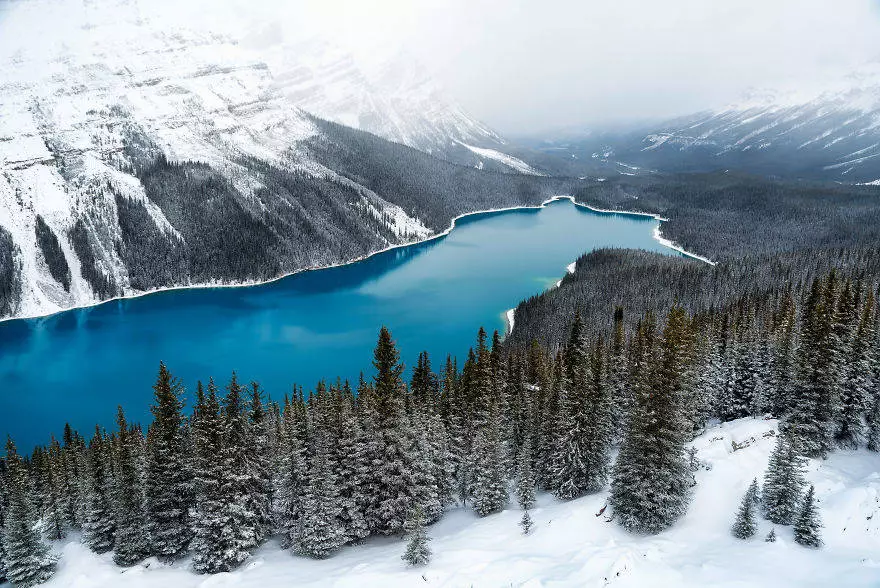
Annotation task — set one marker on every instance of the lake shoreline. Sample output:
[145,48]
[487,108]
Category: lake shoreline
[657,235]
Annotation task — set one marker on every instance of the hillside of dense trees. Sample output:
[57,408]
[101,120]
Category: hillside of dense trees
[343,462]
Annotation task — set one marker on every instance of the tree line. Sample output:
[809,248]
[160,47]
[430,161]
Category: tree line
[334,466]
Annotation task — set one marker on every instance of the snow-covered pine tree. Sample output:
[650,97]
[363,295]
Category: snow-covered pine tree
[621,399]
[99,523]
[241,521]
[783,482]
[28,561]
[525,479]
[745,525]
[418,553]
[320,532]
[652,481]
[771,536]
[856,387]
[55,507]
[212,539]
[292,478]
[394,470]
[525,486]
[130,543]
[808,525]
[488,484]
[784,347]
[74,460]
[584,457]
[4,506]
[347,460]
[168,479]
[811,418]
[260,464]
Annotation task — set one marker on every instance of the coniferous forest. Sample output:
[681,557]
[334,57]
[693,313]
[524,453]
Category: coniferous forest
[332,466]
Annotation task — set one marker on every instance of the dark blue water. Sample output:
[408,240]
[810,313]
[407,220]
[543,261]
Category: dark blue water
[78,365]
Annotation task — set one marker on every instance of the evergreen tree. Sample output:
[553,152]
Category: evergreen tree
[212,540]
[259,459]
[130,542]
[652,481]
[393,473]
[783,482]
[771,536]
[292,479]
[241,521]
[27,559]
[745,525]
[806,528]
[54,520]
[417,551]
[856,386]
[811,420]
[319,532]
[167,482]
[621,399]
[99,524]
[348,463]
[525,487]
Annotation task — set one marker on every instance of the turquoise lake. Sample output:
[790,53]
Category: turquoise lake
[77,366]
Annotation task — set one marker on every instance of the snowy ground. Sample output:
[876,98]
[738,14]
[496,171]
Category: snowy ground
[571,546]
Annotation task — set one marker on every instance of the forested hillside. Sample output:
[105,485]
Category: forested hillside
[339,463]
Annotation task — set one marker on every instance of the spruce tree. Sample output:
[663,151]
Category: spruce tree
[99,524]
[212,539]
[857,380]
[260,464]
[771,536]
[320,532]
[783,483]
[54,519]
[130,542]
[417,551]
[28,561]
[393,473]
[241,520]
[652,481]
[525,487]
[745,525]
[167,482]
[292,479]
[348,460]
[806,528]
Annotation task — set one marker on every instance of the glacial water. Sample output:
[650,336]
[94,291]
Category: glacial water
[77,366]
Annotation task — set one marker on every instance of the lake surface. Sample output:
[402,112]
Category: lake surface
[77,366]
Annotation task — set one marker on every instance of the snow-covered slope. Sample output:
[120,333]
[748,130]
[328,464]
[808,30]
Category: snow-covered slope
[92,91]
[572,546]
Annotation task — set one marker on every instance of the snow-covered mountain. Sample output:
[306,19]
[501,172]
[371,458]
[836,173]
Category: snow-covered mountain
[574,544]
[93,93]
[831,133]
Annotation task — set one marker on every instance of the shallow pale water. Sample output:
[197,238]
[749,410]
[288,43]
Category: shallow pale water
[78,365]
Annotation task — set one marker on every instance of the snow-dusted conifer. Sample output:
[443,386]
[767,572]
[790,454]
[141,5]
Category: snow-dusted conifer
[783,482]
[130,542]
[418,553]
[27,559]
[167,482]
[745,525]
[319,532]
[808,524]
[99,524]
[652,480]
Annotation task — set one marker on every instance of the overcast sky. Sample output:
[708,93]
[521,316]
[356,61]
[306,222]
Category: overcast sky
[528,65]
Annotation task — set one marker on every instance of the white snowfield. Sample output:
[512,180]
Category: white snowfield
[572,546]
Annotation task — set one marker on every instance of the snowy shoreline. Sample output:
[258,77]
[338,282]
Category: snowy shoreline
[247,284]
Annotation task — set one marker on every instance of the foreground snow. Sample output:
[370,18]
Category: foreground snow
[571,546]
